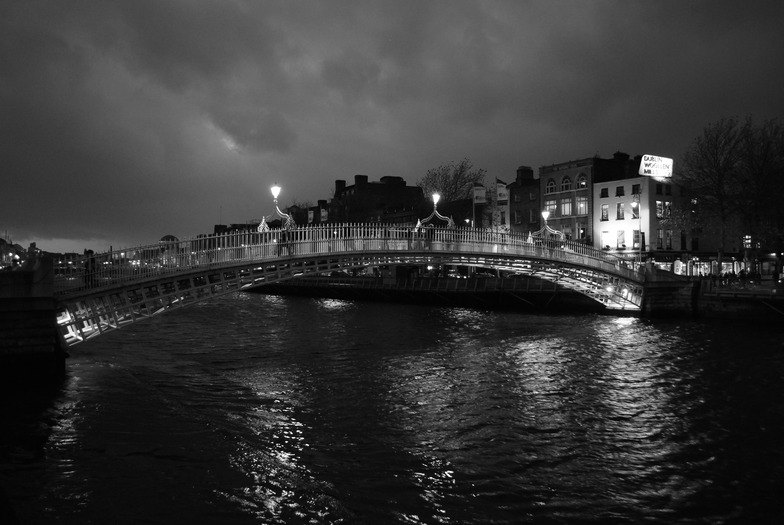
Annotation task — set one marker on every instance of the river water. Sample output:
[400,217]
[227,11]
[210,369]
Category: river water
[266,409]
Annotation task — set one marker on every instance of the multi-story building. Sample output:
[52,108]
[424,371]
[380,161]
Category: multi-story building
[566,196]
[606,203]
[389,200]
[525,209]
[635,216]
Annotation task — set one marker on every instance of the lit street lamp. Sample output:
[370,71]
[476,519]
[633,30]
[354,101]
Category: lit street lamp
[287,220]
[449,222]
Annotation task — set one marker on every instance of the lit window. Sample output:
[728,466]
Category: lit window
[621,240]
[582,205]
[566,207]
[549,205]
[619,211]
[582,181]
[605,212]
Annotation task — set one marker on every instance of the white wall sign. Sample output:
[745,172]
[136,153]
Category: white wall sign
[654,166]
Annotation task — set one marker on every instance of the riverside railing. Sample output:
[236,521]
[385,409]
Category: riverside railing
[140,263]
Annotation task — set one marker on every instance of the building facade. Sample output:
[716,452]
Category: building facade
[525,209]
[388,200]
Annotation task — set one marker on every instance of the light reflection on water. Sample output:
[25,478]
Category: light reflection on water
[256,409]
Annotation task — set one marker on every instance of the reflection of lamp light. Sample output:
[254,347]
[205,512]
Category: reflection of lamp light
[436,198]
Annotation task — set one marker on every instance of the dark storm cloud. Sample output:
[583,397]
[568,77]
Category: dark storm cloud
[123,121]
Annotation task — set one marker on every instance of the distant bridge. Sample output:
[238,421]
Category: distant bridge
[106,291]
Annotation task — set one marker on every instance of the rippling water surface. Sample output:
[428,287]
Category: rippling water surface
[264,409]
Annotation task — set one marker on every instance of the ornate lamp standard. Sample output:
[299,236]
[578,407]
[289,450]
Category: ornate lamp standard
[287,220]
[545,232]
[449,222]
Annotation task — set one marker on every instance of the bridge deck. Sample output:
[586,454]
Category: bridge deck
[109,290]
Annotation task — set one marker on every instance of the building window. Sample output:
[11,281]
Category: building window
[668,239]
[516,197]
[606,240]
[636,211]
[605,212]
[605,192]
[659,238]
[619,191]
[581,231]
[566,207]
[635,189]
[683,239]
[533,217]
[582,205]
[550,187]
[658,188]
[668,190]
[619,211]
[582,181]
[621,240]
[566,184]
[549,205]
[663,209]
[636,239]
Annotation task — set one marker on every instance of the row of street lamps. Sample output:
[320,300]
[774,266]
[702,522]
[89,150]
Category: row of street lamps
[288,220]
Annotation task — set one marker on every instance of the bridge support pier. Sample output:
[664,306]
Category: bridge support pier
[31,353]
[668,298]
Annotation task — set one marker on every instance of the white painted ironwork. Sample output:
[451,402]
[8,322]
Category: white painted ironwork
[115,288]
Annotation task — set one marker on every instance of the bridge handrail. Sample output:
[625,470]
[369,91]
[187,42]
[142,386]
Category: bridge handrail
[148,261]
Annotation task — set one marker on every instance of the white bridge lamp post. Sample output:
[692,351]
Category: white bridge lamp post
[287,220]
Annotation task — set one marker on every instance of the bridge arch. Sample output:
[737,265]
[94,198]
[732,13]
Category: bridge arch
[125,286]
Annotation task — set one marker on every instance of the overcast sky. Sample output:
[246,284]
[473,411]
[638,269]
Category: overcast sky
[125,120]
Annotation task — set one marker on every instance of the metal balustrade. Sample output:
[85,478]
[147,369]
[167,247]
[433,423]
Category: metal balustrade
[84,274]
[106,291]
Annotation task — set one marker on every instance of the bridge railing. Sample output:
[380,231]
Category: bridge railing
[146,262]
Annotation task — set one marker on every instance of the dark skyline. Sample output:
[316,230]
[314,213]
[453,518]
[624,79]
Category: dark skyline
[125,121]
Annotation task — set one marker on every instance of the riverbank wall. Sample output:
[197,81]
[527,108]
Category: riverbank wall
[30,349]
[664,299]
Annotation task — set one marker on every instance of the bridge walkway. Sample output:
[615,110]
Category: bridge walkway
[106,291]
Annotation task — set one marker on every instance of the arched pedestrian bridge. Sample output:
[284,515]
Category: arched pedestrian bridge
[106,291]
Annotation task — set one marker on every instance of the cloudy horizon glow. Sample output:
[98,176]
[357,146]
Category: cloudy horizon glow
[126,121]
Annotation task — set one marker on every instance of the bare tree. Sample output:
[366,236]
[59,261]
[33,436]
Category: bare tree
[712,171]
[451,181]
[763,192]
